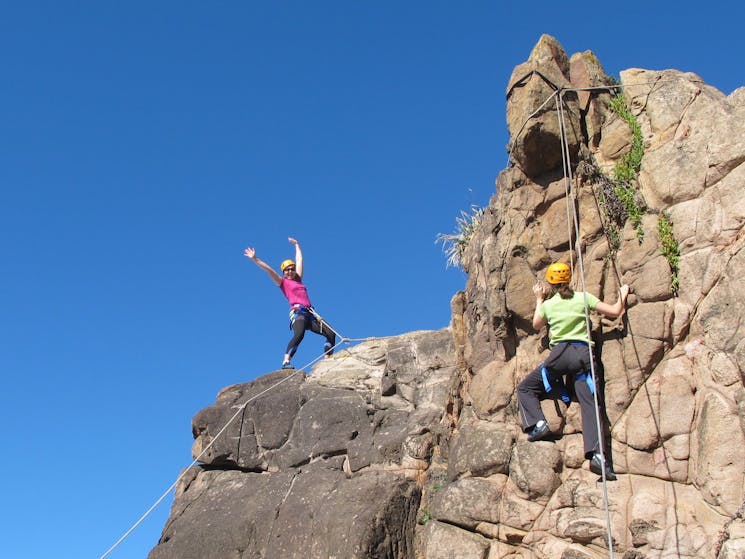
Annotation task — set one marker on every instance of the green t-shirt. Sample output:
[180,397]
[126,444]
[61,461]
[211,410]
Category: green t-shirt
[566,317]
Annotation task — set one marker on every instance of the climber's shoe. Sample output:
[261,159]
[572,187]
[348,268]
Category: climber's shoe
[539,433]
[287,365]
[596,467]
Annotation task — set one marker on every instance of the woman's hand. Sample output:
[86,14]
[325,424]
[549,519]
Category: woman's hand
[616,309]
[624,292]
[249,253]
[538,291]
[293,241]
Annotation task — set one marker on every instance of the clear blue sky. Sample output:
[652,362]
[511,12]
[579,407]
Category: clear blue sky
[145,144]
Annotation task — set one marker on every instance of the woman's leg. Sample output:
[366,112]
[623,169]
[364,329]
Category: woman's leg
[298,332]
[319,328]
[529,393]
[586,401]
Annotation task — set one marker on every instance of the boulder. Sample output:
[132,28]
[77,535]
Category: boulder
[320,465]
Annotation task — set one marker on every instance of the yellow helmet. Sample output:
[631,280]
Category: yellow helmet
[558,272]
[286,264]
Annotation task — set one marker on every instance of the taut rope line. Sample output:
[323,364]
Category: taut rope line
[580,262]
[240,409]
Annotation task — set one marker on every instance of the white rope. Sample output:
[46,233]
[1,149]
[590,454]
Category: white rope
[531,115]
[580,263]
[568,195]
[323,322]
[212,442]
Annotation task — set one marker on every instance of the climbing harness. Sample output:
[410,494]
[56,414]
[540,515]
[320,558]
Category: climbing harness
[551,382]
[311,313]
[548,385]
[297,309]
[588,378]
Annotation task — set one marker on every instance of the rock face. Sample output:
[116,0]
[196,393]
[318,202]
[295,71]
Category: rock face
[411,447]
[673,367]
[324,465]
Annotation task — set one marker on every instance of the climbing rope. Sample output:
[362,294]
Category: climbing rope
[323,323]
[576,248]
[159,500]
[569,195]
[573,218]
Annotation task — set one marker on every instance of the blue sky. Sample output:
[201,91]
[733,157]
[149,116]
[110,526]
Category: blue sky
[146,144]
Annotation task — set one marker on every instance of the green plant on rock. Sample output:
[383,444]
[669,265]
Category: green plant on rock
[670,249]
[619,200]
[613,214]
[454,244]
[627,169]
[436,486]
[424,516]
[634,209]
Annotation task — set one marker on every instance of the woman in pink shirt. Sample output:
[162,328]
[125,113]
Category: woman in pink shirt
[292,286]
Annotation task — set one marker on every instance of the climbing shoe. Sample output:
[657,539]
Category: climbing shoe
[596,467]
[288,365]
[539,433]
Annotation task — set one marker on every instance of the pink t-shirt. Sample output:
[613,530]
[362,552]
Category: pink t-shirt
[295,292]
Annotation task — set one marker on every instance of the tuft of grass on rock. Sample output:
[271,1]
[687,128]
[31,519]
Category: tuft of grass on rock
[424,516]
[627,169]
[454,244]
[670,249]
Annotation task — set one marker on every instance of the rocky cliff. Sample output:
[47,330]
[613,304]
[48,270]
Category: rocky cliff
[410,446]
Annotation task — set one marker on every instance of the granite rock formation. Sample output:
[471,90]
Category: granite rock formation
[322,465]
[410,446]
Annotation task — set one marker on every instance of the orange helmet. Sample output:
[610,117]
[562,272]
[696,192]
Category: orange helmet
[558,272]
[286,264]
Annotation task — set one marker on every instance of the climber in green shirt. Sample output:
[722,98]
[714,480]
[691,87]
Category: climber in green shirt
[563,310]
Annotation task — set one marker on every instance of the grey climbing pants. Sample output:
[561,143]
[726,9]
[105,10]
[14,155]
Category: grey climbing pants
[565,365]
